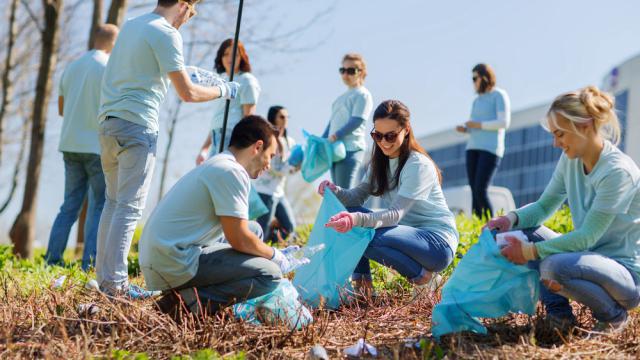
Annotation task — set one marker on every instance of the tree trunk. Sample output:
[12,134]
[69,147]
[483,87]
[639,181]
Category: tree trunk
[23,231]
[7,85]
[116,12]
[95,21]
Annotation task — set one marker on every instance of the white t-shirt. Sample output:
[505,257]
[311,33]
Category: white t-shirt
[273,181]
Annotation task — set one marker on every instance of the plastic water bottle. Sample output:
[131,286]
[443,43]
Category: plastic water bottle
[203,77]
[307,251]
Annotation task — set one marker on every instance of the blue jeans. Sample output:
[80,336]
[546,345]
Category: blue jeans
[344,173]
[128,159]
[82,175]
[481,167]
[216,138]
[410,251]
[608,288]
[279,208]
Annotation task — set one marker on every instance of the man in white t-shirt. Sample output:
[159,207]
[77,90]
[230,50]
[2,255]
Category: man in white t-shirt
[78,103]
[199,237]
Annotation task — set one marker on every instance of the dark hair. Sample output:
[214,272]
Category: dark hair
[168,3]
[245,66]
[379,181]
[271,116]
[487,77]
[251,129]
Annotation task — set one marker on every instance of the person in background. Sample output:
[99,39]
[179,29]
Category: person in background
[347,123]
[598,263]
[415,233]
[243,105]
[271,185]
[146,59]
[490,117]
[78,103]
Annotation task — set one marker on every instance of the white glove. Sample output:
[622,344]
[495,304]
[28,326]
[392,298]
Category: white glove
[228,90]
[288,262]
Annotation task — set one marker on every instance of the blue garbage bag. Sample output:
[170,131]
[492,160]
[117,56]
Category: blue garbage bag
[257,207]
[317,157]
[484,284]
[327,276]
[280,305]
[297,155]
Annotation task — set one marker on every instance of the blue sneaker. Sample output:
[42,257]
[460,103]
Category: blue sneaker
[135,292]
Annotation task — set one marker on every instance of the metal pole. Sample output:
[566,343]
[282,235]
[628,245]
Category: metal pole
[233,69]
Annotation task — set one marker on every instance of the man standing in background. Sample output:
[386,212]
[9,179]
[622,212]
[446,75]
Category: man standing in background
[146,58]
[78,103]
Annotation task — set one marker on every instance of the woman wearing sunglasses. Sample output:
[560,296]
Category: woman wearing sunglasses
[243,105]
[415,232]
[348,114]
[490,117]
[598,263]
[270,185]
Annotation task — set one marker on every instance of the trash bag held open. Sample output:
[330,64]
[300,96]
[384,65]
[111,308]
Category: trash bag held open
[319,155]
[327,276]
[484,284]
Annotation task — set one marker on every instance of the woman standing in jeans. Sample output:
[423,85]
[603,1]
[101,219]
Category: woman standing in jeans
[270,185]
[490,117]
[348,114]
[597,264]
[415,233]
[243,105]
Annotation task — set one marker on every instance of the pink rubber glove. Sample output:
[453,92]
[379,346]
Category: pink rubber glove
[326,183]
[342,222]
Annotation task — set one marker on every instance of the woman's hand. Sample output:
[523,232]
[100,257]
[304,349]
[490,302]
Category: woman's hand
[461,129]
[202,156]
[501,223]
[333,138]
[326,184]
[473,124]
[342,222]
[513,251]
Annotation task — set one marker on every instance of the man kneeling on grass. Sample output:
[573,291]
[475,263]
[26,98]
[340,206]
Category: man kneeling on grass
[198,243]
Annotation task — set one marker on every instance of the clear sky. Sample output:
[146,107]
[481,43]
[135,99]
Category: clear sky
[420,52]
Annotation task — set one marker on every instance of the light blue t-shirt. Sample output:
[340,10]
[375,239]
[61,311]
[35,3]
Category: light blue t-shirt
[356,102]
[136,79]
[612,187]
[486,108]
[80,88]
[187,219]
[248,93]
[419,181]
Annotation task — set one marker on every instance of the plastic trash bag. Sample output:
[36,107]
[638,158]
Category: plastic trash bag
[317,157]
[296,156]
[328,273]
[485,284]
[257,207]
[338,151]
[280,305]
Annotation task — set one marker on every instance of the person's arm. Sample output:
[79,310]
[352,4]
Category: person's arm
[353,197]
[61,105]
[204,150]
[325,134]
[248,109]
[353,123]
[390,217]
[237,233]
[190,92]
[503,111]
[551,199]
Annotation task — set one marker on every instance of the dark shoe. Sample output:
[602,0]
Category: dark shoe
[170,304]
[562,324]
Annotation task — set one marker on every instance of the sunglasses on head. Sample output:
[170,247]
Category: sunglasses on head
[349,71]
[192,9]
[390,137]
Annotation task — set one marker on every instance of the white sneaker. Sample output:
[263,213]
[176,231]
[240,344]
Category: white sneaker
[433,285]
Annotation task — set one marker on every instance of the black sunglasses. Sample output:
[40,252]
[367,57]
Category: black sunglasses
[390,136]
[474,78]
[350,71]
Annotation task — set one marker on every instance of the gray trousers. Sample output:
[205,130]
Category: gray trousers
[226,276]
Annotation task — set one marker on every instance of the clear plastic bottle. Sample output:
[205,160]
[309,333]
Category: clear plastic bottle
[307,251]
[203,77]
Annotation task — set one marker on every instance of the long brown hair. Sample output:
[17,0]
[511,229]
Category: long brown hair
[245,66]
[487,77]
[379,181]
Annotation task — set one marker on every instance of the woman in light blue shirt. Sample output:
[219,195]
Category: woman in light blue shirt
[347,124]
[490,117]
[597,264]
[243,105]
[415,233]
